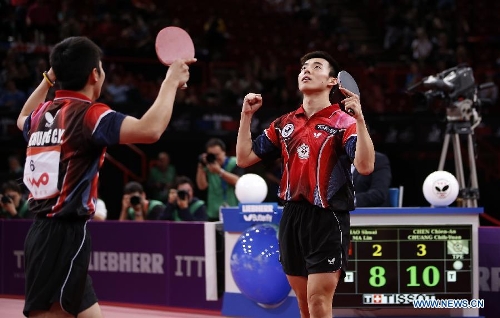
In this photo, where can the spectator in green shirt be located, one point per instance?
(135, 205)
(217, 173)
(161, 177)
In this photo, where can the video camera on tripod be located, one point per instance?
(457, 88)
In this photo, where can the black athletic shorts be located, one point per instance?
(57, 256)
(313, 239)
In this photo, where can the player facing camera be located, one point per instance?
(207, 158)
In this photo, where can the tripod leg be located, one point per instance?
(459, 168)
(444, 151)
(473, 172)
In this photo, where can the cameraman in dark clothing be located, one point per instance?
(12, 205)
(182, 205)
(136, 207)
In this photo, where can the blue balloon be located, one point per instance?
(256, 268)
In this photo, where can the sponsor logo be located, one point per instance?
(123, 262)
(394, 299)
(189, 265)
(328, 129)
(42, 180)
(258, 212)
(246, 208)
(317, 134)
(258, 217)
(49, 118)
(331, 261)
(287, 130)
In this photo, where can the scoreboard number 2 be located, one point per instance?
(377, 250)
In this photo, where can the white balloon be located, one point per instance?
(251, 188)
(440, 188)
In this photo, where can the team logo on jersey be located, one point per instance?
(303, 151)
(49, 118)
(328, 129)
(287, 130)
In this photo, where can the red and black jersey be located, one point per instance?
(67, 140)
(317, 154)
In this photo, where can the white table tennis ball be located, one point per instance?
(440, 188)
(458, 265)
(251, 188)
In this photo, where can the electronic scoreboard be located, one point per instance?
(392, 265)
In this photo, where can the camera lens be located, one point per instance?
(135, 200)
(5, 199)
(182, 194)
(211, 158)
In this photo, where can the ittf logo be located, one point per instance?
(377, 299)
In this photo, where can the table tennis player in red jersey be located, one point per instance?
(67, 139)
(317, 144)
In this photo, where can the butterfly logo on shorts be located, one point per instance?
(331, 261)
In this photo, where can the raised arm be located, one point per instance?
(245, 156)
(36, 98)
(152, 124)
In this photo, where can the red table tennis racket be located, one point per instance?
(173, 43)
(347, 81)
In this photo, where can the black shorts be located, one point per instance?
(313, 240)
(57, 256)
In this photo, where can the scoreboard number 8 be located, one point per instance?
(430, 276)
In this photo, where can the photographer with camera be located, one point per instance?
(12, 205)
(136, 207)
(218, 174)
(182, 205)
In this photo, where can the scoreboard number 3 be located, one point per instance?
(421, 250)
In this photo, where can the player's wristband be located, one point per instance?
(47, 79)
(221, 172)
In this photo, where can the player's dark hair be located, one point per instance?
(73, 60)
(334, 66)
(215, 142)
(334, 71)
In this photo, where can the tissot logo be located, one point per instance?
(328, 129)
